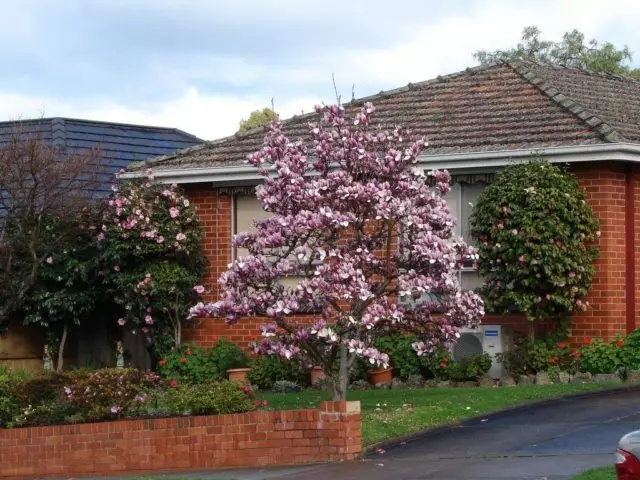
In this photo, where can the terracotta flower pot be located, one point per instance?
(381, 375)
(317, 373)
(238, 374)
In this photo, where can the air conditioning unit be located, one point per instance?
(475, 341)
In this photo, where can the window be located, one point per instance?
(461, 198)
(246, 209)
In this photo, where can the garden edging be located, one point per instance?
(253, 439)
(431, 431)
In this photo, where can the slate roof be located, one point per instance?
(518, 105)
(119, 144)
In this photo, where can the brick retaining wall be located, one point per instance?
(254, 439)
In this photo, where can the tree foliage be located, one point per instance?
(41, 188)
(257, 118)
(151, 259)
(358, 224)
(536, 235)
(571, 51)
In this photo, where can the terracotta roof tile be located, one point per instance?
(501, 107)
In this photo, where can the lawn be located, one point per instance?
(391, 413)
(606, 473)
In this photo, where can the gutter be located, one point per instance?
(238, 175)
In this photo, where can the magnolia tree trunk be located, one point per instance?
(339, 381)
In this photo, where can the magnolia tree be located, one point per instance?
(359, 225)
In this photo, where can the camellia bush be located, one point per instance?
(537, 240)
(359, 224)
(151, 259)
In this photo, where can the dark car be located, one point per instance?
(628, 457)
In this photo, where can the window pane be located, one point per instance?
(470, 195)
(470, 280)
(247, 209)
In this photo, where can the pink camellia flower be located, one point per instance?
(121, 321)
(174, 212)
(173, 384)
(504, 209)
(160, 239)
(521, 259)
(185, 202)
(149, 320)
(514, 232)
(598, 233)
(181, 236)
(199, 289)
(572, 274)
(49, 260)
(116, 268)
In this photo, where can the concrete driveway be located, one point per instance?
(552, 441)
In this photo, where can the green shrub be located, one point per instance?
(598, 356)
(268, 369)
(191, 364)
(404, 360)
(360, 370)
(525, 357)
(629, 352)
(107, 393)
(9, 402)
(42, 389)
(226, 355)
(470, 368)
(210, 398)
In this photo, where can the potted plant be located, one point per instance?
(381, 376)
(317, 373)
(229, 358)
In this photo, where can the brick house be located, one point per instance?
(119, 145)
(476, 121)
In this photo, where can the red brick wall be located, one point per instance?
(253, 439)
(605, 187)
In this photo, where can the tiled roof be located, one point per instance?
(520, 105)
(119, 144)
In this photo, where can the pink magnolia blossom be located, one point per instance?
(350, 176)
(199, 289)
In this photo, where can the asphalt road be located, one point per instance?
(553, 441)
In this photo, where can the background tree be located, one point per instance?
(536, 235)
(66, 290)
(571, 51)
(257, 118)
(358, 224)
(41, 188)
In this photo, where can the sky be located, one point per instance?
(203, 65)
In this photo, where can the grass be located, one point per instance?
(392, 413)
(606, 473)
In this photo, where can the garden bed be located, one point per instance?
(328, 433)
